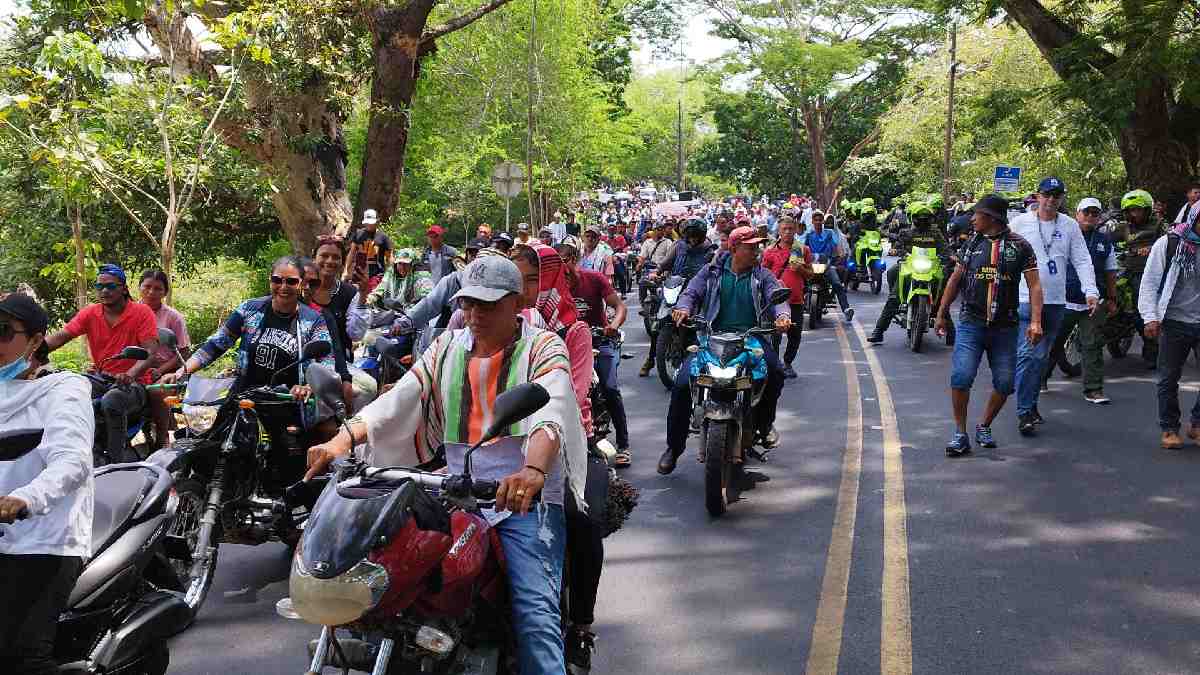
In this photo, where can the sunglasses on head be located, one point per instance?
(7, 331)
(107, 286)
(290, 281)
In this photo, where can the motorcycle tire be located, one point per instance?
(717, 469)
(853, 284)
(668, 353)
(918, 320)
(1121, 346)
(648, 324)
(876, 281)
(814, 311)
(192, 499)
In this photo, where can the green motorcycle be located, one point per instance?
(867, 267)
(920, 282)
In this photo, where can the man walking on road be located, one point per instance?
(790, 262)
(1057, 242)
(993, 262)
(1169, 302)
(1090, 324)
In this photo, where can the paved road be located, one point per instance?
(867, 550)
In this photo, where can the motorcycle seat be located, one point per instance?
(117, 496)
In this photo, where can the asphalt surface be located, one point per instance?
(1070, 552)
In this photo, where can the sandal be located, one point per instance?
(623, 458)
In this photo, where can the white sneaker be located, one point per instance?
(1097, 397)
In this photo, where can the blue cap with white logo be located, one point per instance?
(1051, 185)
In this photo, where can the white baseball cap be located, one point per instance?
(370, 217)
(1089, 202)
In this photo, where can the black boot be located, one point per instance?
(666, 463)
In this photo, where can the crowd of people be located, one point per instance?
(550, 309)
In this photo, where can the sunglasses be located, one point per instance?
(1092, 211)
(1057, 194)
(7, 332)
(109, 286)
(290, 281)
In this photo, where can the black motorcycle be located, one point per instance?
(673, 341)
(128, 599)
(240, 462)
(818, 293)
(648, 295)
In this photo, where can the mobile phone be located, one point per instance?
(360, 260)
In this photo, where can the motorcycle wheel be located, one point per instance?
(186, 526)
(854, 283)
(876, 281)
(648, 324)
(1120, 347)
(669, 353)
(155, 662)
(716, 467)
(918, 320)
(814, 311)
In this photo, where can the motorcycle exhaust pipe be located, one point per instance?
(318, 659)
(385, 656)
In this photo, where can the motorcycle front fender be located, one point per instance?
(721, 411)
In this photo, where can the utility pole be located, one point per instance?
(946, 177)
(534, 222)
(679, 162)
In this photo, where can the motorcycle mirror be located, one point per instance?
(511, 407)
(135, 353)
(326, 385)
(316, 350)
(166, 337)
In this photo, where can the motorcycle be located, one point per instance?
(136, 421)
(818, 293)
(127, 600)
(729, 375)
(1117, 332)
(383, 357)
(671, 347)
(239, 460)
(423, 575)
(601, 415)
(920, 286)
(867, 267)
(648, 297)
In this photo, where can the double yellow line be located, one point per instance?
(896, 632)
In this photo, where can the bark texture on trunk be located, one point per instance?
(1160, 139)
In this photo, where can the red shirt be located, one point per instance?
(775, 259)
(135, 326)
(589, 290)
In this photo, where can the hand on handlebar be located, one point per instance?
(516, 491)
(679, 316)
(172, 378)
(123, 378)
(783, 323)
(12, 509)
(320, 457)
(301, 392)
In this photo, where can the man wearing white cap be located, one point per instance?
(1091, 341)
(369, 249)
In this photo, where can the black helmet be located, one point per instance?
(695, 225)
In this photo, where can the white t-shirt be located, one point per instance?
(55, 478)
(1056, 243)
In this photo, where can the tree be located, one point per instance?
(819, 59)
(1133, 65)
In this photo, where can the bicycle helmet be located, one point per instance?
(1137, 199)
(918, 209)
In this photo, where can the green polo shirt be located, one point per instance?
(737, 302)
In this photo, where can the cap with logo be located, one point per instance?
(572, 241)
(1051, 185)
(405, 255)
(744, 235)
(490, 278)
(1089, 203)
(522, 227)
(502, 239)
(26, 310)
(370, 217)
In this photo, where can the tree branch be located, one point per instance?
(1050, 33)
(462, 21)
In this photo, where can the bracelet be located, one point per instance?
(544, 474)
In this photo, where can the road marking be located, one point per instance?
(895, 648)
(826, 643)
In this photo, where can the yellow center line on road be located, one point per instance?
(895, 648)
(826, 644)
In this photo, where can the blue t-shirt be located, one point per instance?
(824, 243)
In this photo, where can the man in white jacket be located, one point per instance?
(1169, 302)
(1057, 241)
(45, 490)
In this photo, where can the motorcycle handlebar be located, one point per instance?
(455, 485)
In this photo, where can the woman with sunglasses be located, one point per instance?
(153, 288)
(45, 492)
(270, 333)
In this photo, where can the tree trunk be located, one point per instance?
(398, 50)
(815, 128)
(80, 257)
(1155, 159)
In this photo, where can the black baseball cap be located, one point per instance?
(26, 310)
(1052, 185)
(478, 243)
(994, 206)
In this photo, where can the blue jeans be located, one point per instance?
(534, 547)
(839, 290)
(1031, 359)
(607, 362)
(1176, 340)
(974, 338)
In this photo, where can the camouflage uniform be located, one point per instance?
(1128, 238)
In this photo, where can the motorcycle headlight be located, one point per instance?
(200, 418)
(922, 264)
(722, 373)
(819, 268)
(340, 600)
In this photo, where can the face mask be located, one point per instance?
(12, 370)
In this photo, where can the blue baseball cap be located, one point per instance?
(1051, 185)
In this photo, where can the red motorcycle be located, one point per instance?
(405, 562)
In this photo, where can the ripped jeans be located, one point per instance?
(534, 547)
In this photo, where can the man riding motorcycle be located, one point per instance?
(1135, 232)
(730, 293)
(430, 406)
(825, 243)
(923, 233)
(686, 258)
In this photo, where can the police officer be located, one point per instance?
(923, 233)
(1134, 233)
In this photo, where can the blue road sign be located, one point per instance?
(1007, 178)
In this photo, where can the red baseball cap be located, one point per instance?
(435, 229)
(744, 235)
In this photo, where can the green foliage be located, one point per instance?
(62, 273)
(653, 101)
(1007, 114)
